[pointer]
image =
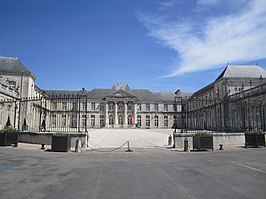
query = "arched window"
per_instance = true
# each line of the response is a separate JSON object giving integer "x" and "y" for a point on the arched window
{"x": 120, "y": 120}
{"x": 111, "y": 120}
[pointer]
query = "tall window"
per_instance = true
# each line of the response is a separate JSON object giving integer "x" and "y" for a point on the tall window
{"x": 74, "y": 121}
{"x": 93, "y": 106}
{"x": 148, "y": 121}
{"x": 139, "y": 120}
{"x": 83, "y": 121}
{"x": 130, "y": 107}
{"x": 53, "y": 120}
{"x": 92, "y": 120}
{"x": 63, "y": 121}
{"x": 54, "y": 105}
{"x": 84, "y": 106}
{"x": 156, "y": 108}
{"x": 120, "y": 120}
{"x": 156, "y": 121}
{"x": 139, "y": 106}
{"x": 129, "y": 120}
{"x": 101, "y": 121}
{"x": 165, "y": 107}
{"x": 101, "y": 106}
{"x": 111, "y": 120}
{"x": 120, "y": 106}
{"x": 165, "y": 121}
{"x": 64, "y": 106}
{"x": 147, "y": 107}
{"x": 111, "y": 106}
{"x": 75, "y": 105}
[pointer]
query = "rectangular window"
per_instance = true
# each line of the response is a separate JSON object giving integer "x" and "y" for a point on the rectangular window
{"x": 139, "y": 106}
{"x": 74, "y": 105}
{"x": 54, "y": 105}
{"x": 165, "y": 122}
{"x": 148, "y": 121}
{"x": 63, "y": 121}
{"x": 84, "y": 106}
{"x": 165, "y": 107}
{"x": 120, "y": 107}
{"x": 156, "y": 121}
{"x": 101, "y": 121}
{"x": 92, "y": 120}
{"x": 93, "y": 106}
{"x": 74, "y": 121}
{"x": 111, "y": 107}
{"x": 156, "y": 107}
{"x": 139, "y": 120}
{"x": 64, "y": 105}
{"x": 84, "y": 121}
{"x": 101, "y": 106}
{"x": 53, "y": 120}
{"x": 147, "y": 107}
{"x": 130, "y": 107}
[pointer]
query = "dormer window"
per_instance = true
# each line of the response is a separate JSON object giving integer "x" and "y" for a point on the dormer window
{"x": 11, "y": 84}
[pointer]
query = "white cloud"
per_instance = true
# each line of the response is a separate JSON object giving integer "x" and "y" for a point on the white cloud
{"x": 207, "y": 2}
{"x": 236, "y": 37}
{"x": 166, "y": 4}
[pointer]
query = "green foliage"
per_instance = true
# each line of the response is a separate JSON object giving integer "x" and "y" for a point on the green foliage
{"x": 9, "y": 130}
{"x": 61, "y": 134}
{"x": 203, "y": 133}
{"x": 254, "y": 131}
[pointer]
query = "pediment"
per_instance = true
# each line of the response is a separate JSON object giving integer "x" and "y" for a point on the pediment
{"x": 120, "y": 94}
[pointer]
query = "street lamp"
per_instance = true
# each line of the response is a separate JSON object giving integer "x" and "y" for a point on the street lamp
{"x": 177, "y": 96}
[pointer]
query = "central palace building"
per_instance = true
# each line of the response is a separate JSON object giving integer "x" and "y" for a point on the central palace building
{"x": 235, "y": 101}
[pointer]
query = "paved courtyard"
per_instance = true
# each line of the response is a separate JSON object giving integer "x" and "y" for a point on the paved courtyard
{"x": 28, "y": 172}
{"x": 138, "y": 138}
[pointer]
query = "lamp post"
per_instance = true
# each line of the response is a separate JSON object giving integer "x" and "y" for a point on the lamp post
{"x": 177, "y": 96}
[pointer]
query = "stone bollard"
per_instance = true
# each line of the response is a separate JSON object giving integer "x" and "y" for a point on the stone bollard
{"x": 78, "y": 146}
{"x": 169, "y": 140}
{"x": 221, "y": 147}
{"x": 43, "y": 148}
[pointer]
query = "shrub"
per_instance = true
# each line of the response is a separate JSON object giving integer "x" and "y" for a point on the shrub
{"x": 202, "y": 133}
{"x": 9, "y": 130}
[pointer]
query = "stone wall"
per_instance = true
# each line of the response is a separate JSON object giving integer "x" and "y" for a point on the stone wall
{"x": 226, "y": 139}
{"x": 46, "y": 138}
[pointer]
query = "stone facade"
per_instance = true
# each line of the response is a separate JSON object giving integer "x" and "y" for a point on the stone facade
{"x": 235, "y": 101}
{"x": 66, "y": 110}
{"x": 118, "y": 107}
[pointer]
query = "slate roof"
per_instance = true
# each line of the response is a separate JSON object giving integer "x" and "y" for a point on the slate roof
{"x": 143, "y": 95}
{"x": 236, "y": 71}
{"x": 63, "y": 93}
{"x": 251, "y": 71}
{"x": 13, "y": 65}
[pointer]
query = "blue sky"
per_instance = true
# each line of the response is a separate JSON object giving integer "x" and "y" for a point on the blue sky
{"x": 161, "y": 45}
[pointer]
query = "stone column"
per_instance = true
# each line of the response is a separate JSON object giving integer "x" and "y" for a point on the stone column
{"x": 125, "y": 114}
{"x": 116, "y": 119}
{"x": 106, "y": 115}
{"x": 135, "y": 115}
